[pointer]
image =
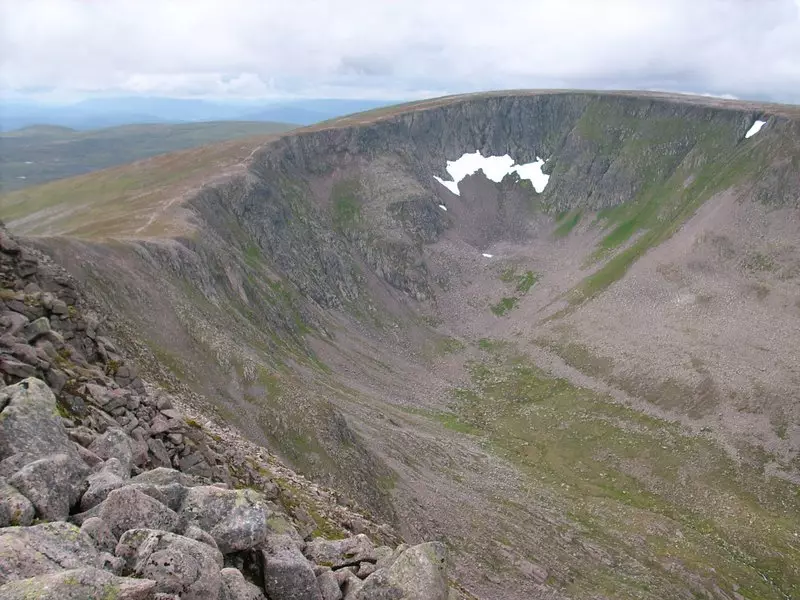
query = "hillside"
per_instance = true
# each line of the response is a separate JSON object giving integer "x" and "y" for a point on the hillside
{"x": 43, "y": 153}
{"x": 587, "y": 391}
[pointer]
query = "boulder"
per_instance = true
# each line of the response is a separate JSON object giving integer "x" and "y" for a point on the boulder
{"x": 101, "y": 484}
{"x": 341, "y": 553}
{"x": 47, "y": 548}
{"x": 236, "y": 519}
{"x": 30, "y": 423}
{"x": 98, "y": 531}
{"x": 34, "y": 330}
{"x": 236, "y": 587}
{"x": 53, "y": 484}
{"x": 78, "y": 584}
{"x": 195, "y": 533}
{"x": 329, "y": 586}
{"x": 164, "y": 476}
{"x": 128, "y": 508}
{"x": 179, "y": 565}
{"x": 15, "y": 509}
{"x": 115, "y": 443}
{"x": 287, "y": 573}
{"x": 420, "y": 573}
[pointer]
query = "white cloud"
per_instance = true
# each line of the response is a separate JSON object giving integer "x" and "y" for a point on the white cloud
{"x": 259, "y": 48}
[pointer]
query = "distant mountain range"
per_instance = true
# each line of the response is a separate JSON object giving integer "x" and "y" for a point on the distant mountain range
{"x": 109, "y": 112}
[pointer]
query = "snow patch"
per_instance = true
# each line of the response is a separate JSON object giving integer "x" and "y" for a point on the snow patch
{"x": 495, "y": 168}
{"x": 28, "y": 162}
{"x": 21, "y": 177}
{"x": 754, "y": 129}
{"x": 487, "y": 255}
{"x": 443, "y": 207}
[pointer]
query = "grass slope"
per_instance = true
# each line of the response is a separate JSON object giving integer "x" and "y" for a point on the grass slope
{"x": 39, "y": 154}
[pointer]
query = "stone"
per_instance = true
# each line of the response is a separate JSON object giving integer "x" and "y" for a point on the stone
{"x": 36, "y": 329}
{"x": 236, "y": 587}
{"x": 115, "y": 466}
{"x": 79, "y": 584}
{"x": 127, "y": 508}
{"x": 59, "y": 307}
{"x": 90, "y": 458}
{"x": 114, "y": 443}
{"x": 16, "y": 368}
{"x": 365, "y": 569}
{"x": 13, "y": 323}
{"x": 340, "y": 553}
{"x": 349, "y": 583}
{"x": 164, "y": 476}
{"x": 82, "y": 435}
{"x": 329, "y": 586}
{"x": 30, "y": 423}
{"x": 98, "y": 531}
{"x": 159, "y": 452}
{"x": 195, "y": 533}
{"x": 179, "y": 565}
{"x": 287, "y": 573}
{"x": 420, "y": 573}
{"x": 47, "y": 548}
{"x": 53, "y": 484}
{"x": 101, "y": 484}
{"x": 56, "y": 379}
{"x": 15, "y": 509}
{"x": 236, "y": 519}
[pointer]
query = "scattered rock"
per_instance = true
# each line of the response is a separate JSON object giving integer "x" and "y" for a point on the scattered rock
{"x": 15, "y": 509}
{"x": 287, "y": 573}
{"x": 420, "y": 573}
{"x": 341, "y": 553}
{"x": 114, "y": 443}
{"x": 53, "y": 484}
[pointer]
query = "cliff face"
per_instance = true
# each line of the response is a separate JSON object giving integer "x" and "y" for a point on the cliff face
{"x": 627, "y": 347}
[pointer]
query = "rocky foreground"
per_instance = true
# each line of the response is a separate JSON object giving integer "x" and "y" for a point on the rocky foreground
{"x": 108, "y": 491}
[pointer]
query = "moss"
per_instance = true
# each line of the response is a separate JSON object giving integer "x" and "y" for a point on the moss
{"x": 346, "y": 207}
{"x": 567, "y": 222}
{"x": 526, "y": 281}
{"x": 194, "y": 424}
{"x": 505, "y": 305}
{"x": 112, "y": 367}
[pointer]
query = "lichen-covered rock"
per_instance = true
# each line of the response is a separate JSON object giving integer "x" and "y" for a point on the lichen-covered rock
{"x": 128, "y": 508}
{"x": 178, "y": 564}
{"x": 30, "y": 551}
{"x": 287, "y": 573}
{"x": 30, "y": 423}
{"x": 78, "y": 584}
{"x": 53, "y": 484}
{"x": 15, "y": 509}
{"x": 329, "y": 586}
{"x": 164, "y": 476}
{"x": 340, "y": 553}
{"x": 236, "y": 519}
{"x": 98, "y": 531}
{"x": 236, "y": 587}
{"x": 101, "y": 484}
{"x": 114, "y": 443}
{"x": 420, "y": 573}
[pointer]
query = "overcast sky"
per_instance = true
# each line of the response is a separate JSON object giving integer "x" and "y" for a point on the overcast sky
{"x": 393, "y": 49}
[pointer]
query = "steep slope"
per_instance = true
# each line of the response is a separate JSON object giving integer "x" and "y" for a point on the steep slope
{"x": 586, "y": 392}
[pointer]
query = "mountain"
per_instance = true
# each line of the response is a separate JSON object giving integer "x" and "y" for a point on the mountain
{"x": 41, "y": 153}
{"x": 95, "y": 113}
{"x": 579, "y": 372}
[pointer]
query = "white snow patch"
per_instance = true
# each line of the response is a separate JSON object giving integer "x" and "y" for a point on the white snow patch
{"x": 487, "y": 255}
{"x": 28, "y": 162}
{"x": 21, "y": 177}
{"x": 443, "y": 207}
{"x": 755, "y": 129}
{"x": 495, "y": 168}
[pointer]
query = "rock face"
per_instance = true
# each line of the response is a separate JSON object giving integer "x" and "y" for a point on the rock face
{"x": 83, "y": 439}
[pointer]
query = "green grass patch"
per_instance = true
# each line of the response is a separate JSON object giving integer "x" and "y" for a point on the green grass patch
{"x": 345, "y": 203}
{"x": 504, "y": 306}
{"x": 526, "y": 281}
{"x": 567, "y": 223}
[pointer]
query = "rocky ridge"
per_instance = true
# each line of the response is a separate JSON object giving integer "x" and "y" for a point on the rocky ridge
{"x": 108, "y": 489}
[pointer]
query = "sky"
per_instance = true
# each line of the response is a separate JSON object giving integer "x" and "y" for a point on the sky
{"x": 395, "y": 49}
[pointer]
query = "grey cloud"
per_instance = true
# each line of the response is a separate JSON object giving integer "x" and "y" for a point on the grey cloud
{"x": 261, "y": 48}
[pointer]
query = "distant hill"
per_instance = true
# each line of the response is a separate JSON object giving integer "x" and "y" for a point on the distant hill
{"x": 96, "y": 113}
{"x": 42, "y": 153}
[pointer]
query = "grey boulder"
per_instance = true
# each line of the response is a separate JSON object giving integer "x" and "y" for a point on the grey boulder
{"x": 236, "y": 519}
{"x": 179, "y": 565}
{"x": 341, "y": 553}
{"x": 420, "y": 573}
{"x": 47, "y": 548}
{"x": 78, "y": 584}
{"x": 236, "y": 587}
{"x": 101, "y": 484}
{"x": 128, "y": 508}
{"x": 53, "y": 484}
{"x": 115, "y": 443}
{"x": 287, "y": 573}
{"x": 329, "y": 586}
{"x": 98, "y": 531}
{"x": 15, "y": 509}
